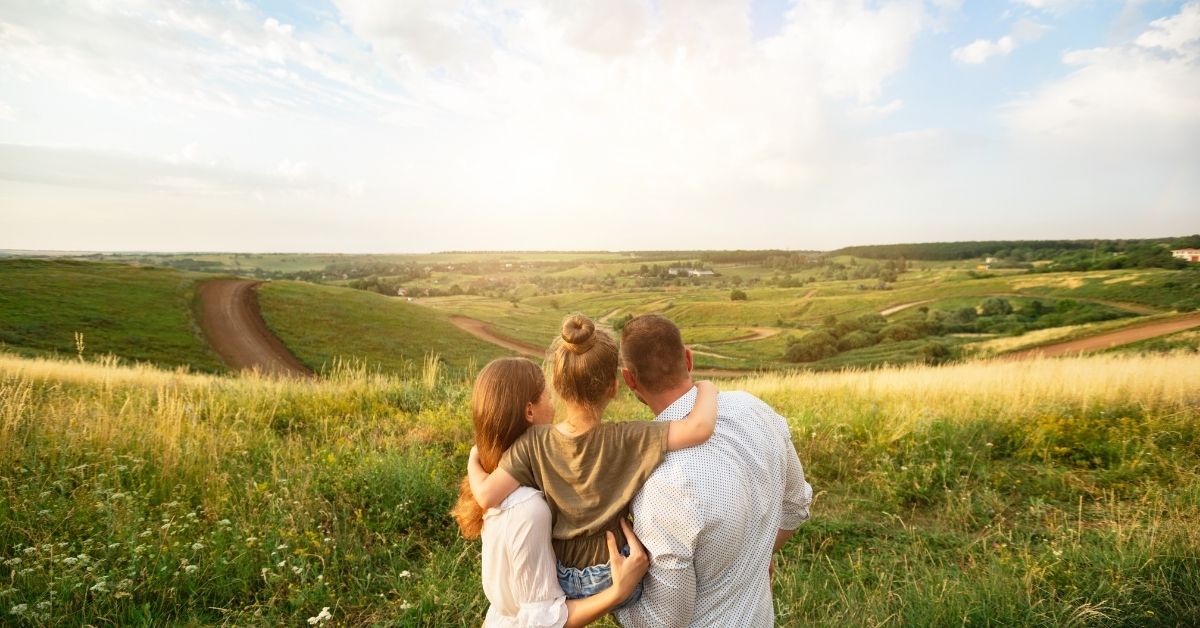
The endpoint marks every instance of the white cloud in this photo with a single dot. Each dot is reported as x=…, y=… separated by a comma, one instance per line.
x=981, y=50
x=1179, y=34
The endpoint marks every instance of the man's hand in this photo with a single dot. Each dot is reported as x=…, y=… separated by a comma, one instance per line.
x=627, y=571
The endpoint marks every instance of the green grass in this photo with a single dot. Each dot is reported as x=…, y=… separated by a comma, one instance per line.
x=981, y=494
x=137, y=313
x=322, y=324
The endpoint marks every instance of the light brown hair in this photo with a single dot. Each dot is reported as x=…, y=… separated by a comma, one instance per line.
x=502, y=391
x=652, y=348
x=584, y=362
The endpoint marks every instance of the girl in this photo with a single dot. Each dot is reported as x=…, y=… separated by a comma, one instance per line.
x=588, y=470
x=519, y=576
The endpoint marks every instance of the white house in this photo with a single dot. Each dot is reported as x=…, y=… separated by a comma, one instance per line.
x=1190, y=255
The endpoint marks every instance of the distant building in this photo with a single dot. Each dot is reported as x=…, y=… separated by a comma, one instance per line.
x=690, y=272
x=1190, y=255
x=402, y=292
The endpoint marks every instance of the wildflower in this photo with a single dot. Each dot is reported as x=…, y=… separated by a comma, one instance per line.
x=297, y=570
x=19, y=609
x=13, y=562
x=405, y=605
x=405, y=574
x=99, y=587
x=190, y=568
x=1057, y=553
x=43, y=605
x=989, y=445
x=224, y=522
x=145, y=534
x=70, y=560
x=9, y=591
x=320, y=617
x=197, y=546
x=29, y=550
x=281, y=564
x=280, y=547
x=43, y=513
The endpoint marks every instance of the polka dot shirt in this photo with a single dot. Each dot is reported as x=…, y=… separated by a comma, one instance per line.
x=708, y=517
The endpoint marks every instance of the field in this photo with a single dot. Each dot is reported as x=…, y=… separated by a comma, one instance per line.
x=323, y=324
x=137, y=313
x=1058, y=492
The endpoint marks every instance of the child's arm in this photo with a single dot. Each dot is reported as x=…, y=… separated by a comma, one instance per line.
x=699, y=424
x=489, y=489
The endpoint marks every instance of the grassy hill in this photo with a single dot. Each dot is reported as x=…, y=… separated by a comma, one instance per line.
x=136, y=313
x=321, y=324
x=1049, y=493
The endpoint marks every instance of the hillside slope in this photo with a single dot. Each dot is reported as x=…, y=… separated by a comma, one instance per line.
x=136, y=313
x=322, y=323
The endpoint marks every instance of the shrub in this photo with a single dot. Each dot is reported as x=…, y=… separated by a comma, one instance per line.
x=737, y=295
x=898, y=331
x=935, y=353
x=812, y=347
x=995, y=306
x=857, y=340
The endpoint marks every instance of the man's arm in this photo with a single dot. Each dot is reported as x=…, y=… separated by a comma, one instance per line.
x=666, y=521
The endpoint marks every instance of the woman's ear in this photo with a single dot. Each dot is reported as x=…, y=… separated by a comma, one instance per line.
x=529, y=412
x=612, y=390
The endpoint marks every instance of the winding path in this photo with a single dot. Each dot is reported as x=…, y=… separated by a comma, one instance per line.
x=1111, y=339
x=234, y=327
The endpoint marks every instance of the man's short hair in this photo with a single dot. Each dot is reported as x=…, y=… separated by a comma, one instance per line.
x=652, y=347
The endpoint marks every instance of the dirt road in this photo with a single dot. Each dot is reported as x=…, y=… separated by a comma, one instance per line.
x=756, y=333
x=234, y=327
x=903, y=306
x=484, y=331
x=1104, y=341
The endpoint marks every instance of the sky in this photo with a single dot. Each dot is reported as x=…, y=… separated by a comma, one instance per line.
x=429, y=125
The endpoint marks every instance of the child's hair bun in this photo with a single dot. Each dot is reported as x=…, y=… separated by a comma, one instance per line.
x=578, y=334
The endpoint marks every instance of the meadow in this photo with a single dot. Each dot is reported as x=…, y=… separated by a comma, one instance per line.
x=1047, y=493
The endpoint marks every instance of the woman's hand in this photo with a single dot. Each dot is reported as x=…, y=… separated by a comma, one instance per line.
x=627, y=571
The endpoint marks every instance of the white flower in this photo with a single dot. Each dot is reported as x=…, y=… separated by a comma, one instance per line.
x=224, y=522
x=70, y=560
x=13, y=562
x=190, y=569
x=98, y=588
x=297, y=570
x=29, y=550
x=19, y=609
x=281, y=546
x=405, y=574
x=43, y=605
x=281, y=564
x=322, y=616
x=197, y=546
x=405, y=605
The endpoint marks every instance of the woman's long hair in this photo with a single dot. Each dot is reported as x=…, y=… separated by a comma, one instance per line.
x=502, y=391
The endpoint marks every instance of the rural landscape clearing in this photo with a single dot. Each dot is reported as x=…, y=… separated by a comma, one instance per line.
x=410, y=313
x=307, y=455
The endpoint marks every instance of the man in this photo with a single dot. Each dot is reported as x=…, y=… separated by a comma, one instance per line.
x=710, y=516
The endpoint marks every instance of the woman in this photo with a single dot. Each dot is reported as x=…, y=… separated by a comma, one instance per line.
x=519, y=568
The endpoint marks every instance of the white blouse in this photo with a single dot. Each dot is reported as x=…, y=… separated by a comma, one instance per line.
x=520, y=576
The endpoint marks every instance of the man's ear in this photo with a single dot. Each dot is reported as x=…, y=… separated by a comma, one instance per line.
x=687, y=356
x=630, y=380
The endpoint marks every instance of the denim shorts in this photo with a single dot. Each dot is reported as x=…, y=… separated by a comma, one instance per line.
x=581, y=583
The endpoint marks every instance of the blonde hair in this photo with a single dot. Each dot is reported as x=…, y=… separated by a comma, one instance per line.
x=583, y=362
x=502, y=391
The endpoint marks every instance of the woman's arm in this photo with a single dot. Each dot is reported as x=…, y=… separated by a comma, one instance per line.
x=699, y=424
x=627, y=572
x=489, y=489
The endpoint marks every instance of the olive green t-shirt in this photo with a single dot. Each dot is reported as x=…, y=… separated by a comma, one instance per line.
x=589, y=480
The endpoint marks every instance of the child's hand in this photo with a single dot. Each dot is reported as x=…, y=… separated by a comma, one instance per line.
x=473, y=459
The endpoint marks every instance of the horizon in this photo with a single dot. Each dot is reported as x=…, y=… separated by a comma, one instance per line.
x=361, y=126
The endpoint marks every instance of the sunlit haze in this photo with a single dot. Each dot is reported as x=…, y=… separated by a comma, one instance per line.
x=386, y=126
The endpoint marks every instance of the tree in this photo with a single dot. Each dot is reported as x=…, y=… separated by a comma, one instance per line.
x=812, y=347
x=737, y=295
x=935, y=353
x=898, y=331
x=994, y=306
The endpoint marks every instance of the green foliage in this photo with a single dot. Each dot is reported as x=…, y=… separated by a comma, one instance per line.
x=897, y=332
x=995, y=306
x=812, y=347
x=737, y=295
x=935, y=353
